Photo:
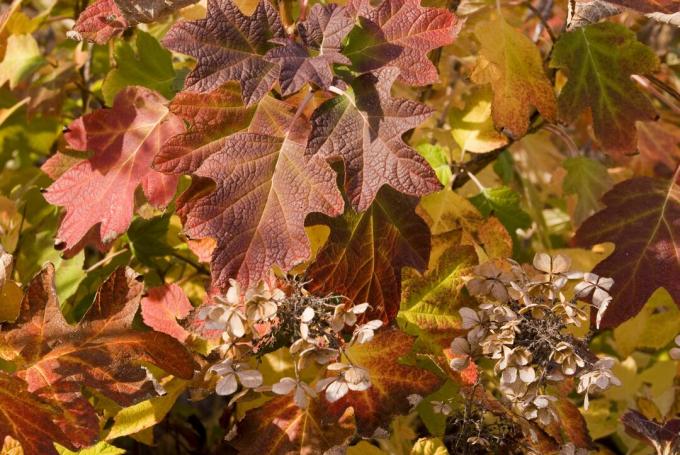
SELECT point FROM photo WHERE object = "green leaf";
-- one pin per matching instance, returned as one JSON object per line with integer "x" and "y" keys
{"x": 503, "y": 202}
{"x": 599, "y": 60}
{"x": 653, "y": 328}
{"x": 150, "y": 66}
{"x": 148, "y": 238}
{"x": 146, "y": 414}
{"x": 588, "y": 180}
{"x": 436, "y": 422}
{"x": 430, "y": 302}
{"x": 440, "y": 159}
{"x": 22, "y": 58}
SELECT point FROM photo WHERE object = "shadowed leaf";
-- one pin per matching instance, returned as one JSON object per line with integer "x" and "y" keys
{"x": 365, "y": 253}
{"x": 599, "y": 60}
{"x": 400, "y": 33}
{"x": 280, "y": 427}
{"x": 229, "y": 46}
{"x": 642, "y": 219}
{"x": 364, "y": 129}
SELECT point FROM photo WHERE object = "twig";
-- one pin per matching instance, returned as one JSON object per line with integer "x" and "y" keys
{"x": 106, "y": 260}
{"x": 194, "y": 264}
{"x": 540, "y": 17}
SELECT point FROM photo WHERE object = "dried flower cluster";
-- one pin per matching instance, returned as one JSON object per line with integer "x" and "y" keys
{"x": 675, "y": 351}
{"x": 523, "y": 323}
{"x": 262, "y": 319}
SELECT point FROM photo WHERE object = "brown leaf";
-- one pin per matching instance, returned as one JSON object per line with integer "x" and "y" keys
{"x": 29, "y": 419}
{"x": 229, "y": 46}
{"x": 363, "y": 257}
{"x": 391, "y": 382}
{"x": 642, "y": 218}
{"x": 280, "y": 427}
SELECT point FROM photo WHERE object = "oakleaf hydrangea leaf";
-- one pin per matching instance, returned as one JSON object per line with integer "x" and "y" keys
{"x": 363, "y": 128}
{"x": 265, "y": 187}
{"x": 512, "y": 64}
{"x": 100, "y": 191}
{"x": 230, "y": 46}
{"x": 400, "y": 33}
{"x": 366, "y": 252}
{"x": 599, "y": 60}
{"x": 642, "y": 219}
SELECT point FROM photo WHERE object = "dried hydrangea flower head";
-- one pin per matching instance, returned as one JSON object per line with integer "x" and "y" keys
{"x": 302, "y": 392}
{"x": 231, "y": 374}
{"x": 260, "y": 319}
{"x": 523, "y": 322}
{"x": 599, "y": 377}
{"x": 347, "y": 377}
{"x": 675, "y": 352}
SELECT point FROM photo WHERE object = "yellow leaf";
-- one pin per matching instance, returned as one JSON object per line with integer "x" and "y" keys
{"x": 512, "y": 64}
{"x": 365, "y": 448}
{"x": 101, "y": 448}
{"x": 10, "y": 301}
{"x": 146, "y": 414}
{"x": 472, "y": 128}
{"x": 11, "y": 447}
{"x": 22, "y": 58}
{"x": 429, "y": 446}
{"x": 601, "y": 418}
{"x": 654, "y": 327}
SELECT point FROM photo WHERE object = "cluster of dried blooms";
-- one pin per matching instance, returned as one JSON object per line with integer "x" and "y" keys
{"x": 524, "y": 323}
{"x": 261, "y": 319}
{"x": 675, "y": 351}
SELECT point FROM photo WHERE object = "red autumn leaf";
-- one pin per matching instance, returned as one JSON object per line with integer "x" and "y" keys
{"x": 365, "y": 253}
{"x": 312, "y": 61}
{"x": 29, "y": 419}
{"x": 264, "y": 189}
{"x": 364, "y": 129}
{"x": 163, "y": 306}
{"x": 105, "y": 19}
{"x": 229, "y": 46}
{"x": 572, "y": 423}
{"x": 101, "y": 190}
{"x": 642, "y": 219}
{"x": 212, "y": 117}
{"x": 100, "y": 22}
{"x": 391, "y": 382}
{"x": 281, "y": 427}
{"x": 400, "y": 33}
{"x": 102, "y": 351}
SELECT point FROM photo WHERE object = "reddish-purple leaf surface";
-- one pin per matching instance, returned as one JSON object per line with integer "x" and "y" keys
{"x": 163, "y": 306}
{"x": 365, "y": 253}
{"x": 229, "y": 46}
{"x": 642, "y": 219}
{"x": 400, "y": 33}
{"x": 264, "y": 187}
{"x": 100, "y": 22}
{"x": 363, "y": 128}
{"x": 311, "y": 61}
{"x": 100, "y": 191}
{"x": 29, "y": 419}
